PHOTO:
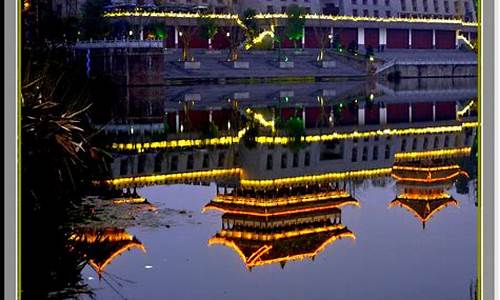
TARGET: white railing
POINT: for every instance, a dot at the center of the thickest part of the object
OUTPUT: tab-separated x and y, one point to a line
437	62
386	66
92	44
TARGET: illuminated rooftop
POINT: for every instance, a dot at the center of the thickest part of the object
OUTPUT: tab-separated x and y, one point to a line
269	208
258	250
424	209
101	247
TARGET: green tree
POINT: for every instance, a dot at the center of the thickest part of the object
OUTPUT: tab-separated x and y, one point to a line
207	27
294	128
93	23
337	45
158	30
295	23
252	28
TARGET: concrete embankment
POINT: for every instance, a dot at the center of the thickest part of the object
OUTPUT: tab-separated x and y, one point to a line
144	67
428	63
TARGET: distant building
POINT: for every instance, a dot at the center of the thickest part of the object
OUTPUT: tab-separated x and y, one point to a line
218	6
464	9
280	6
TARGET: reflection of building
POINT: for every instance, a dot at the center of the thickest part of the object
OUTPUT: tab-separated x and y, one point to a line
422	186
349	134
101	246
67	8
280	224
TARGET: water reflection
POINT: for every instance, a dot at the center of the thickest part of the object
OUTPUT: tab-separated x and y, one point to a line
273	201
280	224
423	184
99	247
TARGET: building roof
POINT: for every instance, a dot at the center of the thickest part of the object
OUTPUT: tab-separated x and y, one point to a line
269	208
426	173
424	210
101	247
255	250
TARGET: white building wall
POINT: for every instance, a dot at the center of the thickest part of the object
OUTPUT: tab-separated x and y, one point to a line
409	8
277	6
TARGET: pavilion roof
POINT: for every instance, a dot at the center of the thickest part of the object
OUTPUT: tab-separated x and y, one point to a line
101	247
424	209
282	247
281	207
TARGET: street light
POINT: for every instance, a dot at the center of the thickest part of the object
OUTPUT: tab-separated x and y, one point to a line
130	33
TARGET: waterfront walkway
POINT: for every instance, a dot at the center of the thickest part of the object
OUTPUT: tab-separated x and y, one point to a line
261	65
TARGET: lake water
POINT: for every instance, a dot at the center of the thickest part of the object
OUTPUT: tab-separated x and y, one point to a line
393	257
377	201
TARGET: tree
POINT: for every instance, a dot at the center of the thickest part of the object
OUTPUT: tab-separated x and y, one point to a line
236	37
337	45
94	24
295	23
208	28
294	128
251	26
186	34
369	52
157	29
322	35
353	47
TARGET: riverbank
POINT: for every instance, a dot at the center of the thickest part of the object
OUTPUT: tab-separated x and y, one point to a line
156	66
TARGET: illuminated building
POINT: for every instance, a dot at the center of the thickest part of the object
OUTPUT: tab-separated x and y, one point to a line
380	28
279	225
101	246
422	185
